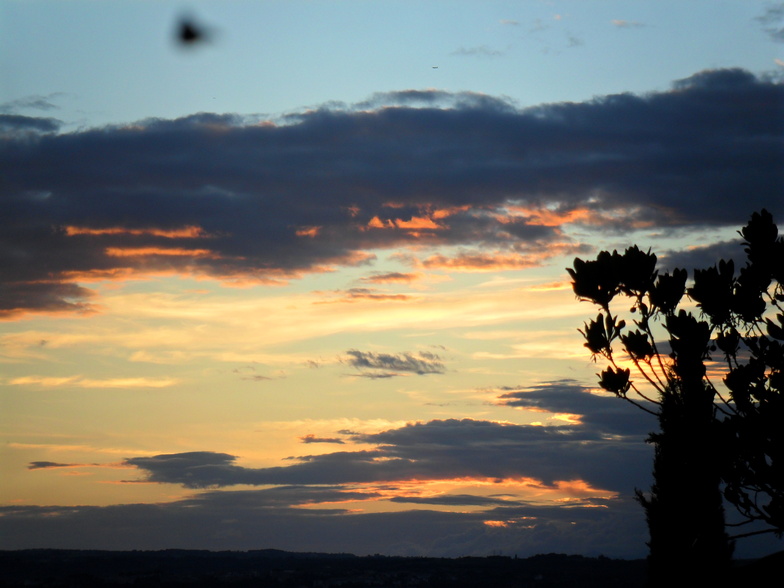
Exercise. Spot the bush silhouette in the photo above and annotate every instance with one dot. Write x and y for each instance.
(713, 434)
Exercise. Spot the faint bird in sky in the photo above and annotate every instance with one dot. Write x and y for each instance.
(190, 33)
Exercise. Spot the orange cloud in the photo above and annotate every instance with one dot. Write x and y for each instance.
(525, 521)
(550, 287)
(80, 309)
(308, 232)
(98, 275)
(364, 294)
(427, 220)
(554, 218)
(281, 277)
(507, 489)
(477, 262)
(631, 217)
(168, 251)
(416, 223)
(377, 223)
(449, 211)
(392, 278)
(82, 382)
(187, 232)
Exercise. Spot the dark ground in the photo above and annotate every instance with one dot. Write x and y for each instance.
(272, 568)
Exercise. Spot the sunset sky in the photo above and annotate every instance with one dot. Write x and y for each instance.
(301, 285)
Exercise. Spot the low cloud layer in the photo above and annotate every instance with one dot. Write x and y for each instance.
(258, 519)
(605, 450)
(606, 414)
(240, 201)
(315, 502)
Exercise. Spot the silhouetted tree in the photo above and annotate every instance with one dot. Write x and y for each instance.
(711, 436)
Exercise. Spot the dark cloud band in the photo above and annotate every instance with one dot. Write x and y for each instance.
(606, 450)
(237, 200)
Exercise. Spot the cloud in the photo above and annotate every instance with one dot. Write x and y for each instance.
(480, 51)
(53, 297)
(313, 439)
(442, 450)
(454, 500)
(33, 102)
(481, 475)
(195, 469)
(312, 503)
(48, 465)
(243, 520)
(256, 378)
(430, 98)
(391, 278)
(42, 465)
(387, 365)
(230, 198)
(600, 413)
(309, 519)
(498, 450)
(626, 24)
(82, 382)
(363, 294)
(17, 124)
(772, 21)
(476, 261)
(701, 257)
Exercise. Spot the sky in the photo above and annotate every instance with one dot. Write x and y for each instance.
(302, 284)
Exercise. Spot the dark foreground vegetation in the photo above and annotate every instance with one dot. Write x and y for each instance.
(273, 568)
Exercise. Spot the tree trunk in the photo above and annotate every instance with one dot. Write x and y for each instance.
(685, 512)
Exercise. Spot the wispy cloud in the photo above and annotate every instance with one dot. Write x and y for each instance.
(388, 365)
(627, 24)
(83, 382)
(363, 294)
(313, 439)
(34, 102)
(772, 21)
(479, 51)
(391, 278)
(43, 465)
(574, 40)
(50, 465)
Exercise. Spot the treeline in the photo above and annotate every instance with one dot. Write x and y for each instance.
(278, 569)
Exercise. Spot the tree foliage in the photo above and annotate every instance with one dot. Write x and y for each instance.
(708, 352)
